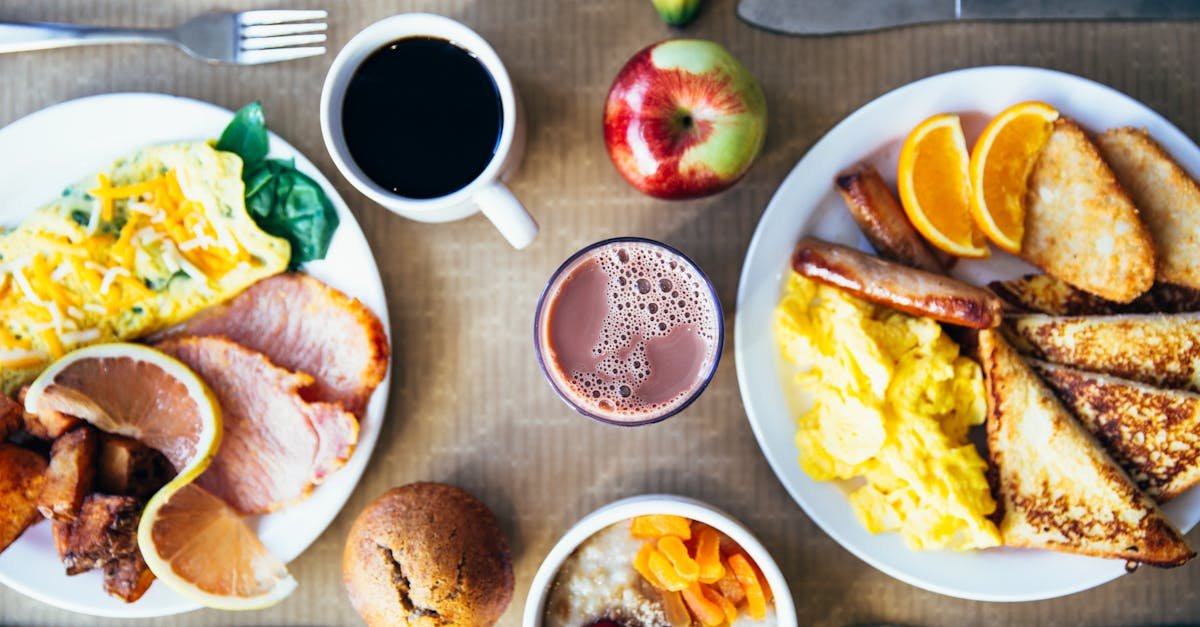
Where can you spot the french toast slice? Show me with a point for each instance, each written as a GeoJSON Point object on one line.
{"type": "Point", "coordinates": [1080, 225]}
{"type": "Point", "coordinates": [1058, 488]}
{"type": "Point", "coordinates": [1158, 349]}
{"type": "Point", "coordinates": [1167, 198]}
{"type": "Point", "coordinates": [1152, 432]}
{"type": "Point", "coordinates": [1043, 293]}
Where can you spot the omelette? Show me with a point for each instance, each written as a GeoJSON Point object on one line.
{"type": "Point", "coordinates": [126, 252]}
{"type": "Point", "coordinates": [885, 399]}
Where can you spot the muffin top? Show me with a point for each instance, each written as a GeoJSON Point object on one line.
{"type": "Point", "coordinates": [427, 554]}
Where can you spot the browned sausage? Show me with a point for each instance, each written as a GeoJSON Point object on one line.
{"type": "Point", "coordinates": [890, 284]}
{"type": "Point", "coordinates": [882, 220]}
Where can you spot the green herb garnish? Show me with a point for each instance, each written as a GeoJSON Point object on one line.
{"type": "Point", "coordinates": [282, 200]}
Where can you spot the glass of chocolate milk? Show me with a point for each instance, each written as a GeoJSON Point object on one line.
{"type": "Point", "coordinates": [629, 331]}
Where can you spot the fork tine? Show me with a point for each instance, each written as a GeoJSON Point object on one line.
{"type": "Point", "coordinates": [275, 30]}
{"type": "Point", "coordinates": [286, 41]}
{"type": "Point", "coordinates": [251, 18]}
{"type": "Point", "coordinates": [255, 57]}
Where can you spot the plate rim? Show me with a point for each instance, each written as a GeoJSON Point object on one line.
{"type": "Point", "coordinates": [746, 282]}
{"type": "Point", "coordinates": [279, 147]}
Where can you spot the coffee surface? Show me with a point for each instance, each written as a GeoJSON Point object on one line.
{"type": "Point", "coordinates": [629, 331]}
{"type": "Point", "coordinates": [422, 117]}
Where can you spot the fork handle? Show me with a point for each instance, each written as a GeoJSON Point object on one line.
{"type": "Point", "coordinates": [23, 36]}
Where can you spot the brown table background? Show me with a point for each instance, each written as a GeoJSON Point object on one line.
{"type": "Point", "coordinates": [468, 404]}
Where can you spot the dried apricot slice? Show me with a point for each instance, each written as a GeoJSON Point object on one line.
{"type": "Point", "coordinates": [706, 611]}
{"type": "Point", "coordinates": [654, 526]}
{"type": "Point", "coordinates": [664, 571]}
{"type": "Point", "coordinates": [675, 609]}
{"type": "Point", "coordinates": [708, 555]}
{"type": "Point", "coordinates": [673, 548]}
{"type": "Point", "coordinates": [726, 606]}
{"type": "Point", "coordinates": [641, 563]}
{"type": "Point", "coordinates": [756, 600]}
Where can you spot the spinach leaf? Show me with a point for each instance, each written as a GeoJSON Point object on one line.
{"type": "Point", "coordinates": [246, 136]}
{"type": "Point", "coordinates": [288, 204]}
{"type": "Point", "coordinates": [281, 200]}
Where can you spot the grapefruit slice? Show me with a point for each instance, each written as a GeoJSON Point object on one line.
{"type": "Point", "coordinates": [191, 540]}
{"type": "Point", "coordinates": [203, 549]}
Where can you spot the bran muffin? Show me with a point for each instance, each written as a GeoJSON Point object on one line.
{"type": "Point", "coordinates": [427, 555]}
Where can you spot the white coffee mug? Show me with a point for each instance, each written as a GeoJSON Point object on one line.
{"type": "Point", "coordinates": [487, 193]}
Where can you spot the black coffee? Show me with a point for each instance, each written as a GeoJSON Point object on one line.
{"type": "Point", "coordinates": [422, 117]}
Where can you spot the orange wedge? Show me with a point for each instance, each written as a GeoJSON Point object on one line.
{"type": "Point", "coordinates": [1000, 165]}
{"type": "Point", "coordinates": [935, 189]}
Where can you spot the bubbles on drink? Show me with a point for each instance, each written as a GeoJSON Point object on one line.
{"type": "Point", "coordinates": [657, 338]}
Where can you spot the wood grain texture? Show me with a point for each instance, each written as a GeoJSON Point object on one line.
{"type": "Point", "coordinates": [468, 403]}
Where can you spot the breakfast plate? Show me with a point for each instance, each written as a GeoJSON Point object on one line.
{"type": "Point", "coordinates": [806, 203]}
{"type": "Point", "coordinates": [41, 153]}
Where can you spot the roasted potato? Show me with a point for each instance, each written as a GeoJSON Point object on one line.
{"type": "Point", "coordinates": [105, 530]}
{"type": "Point", "coordinates": [50, 425]}
{"type": "Point", "coordinates": [22, 473]}
{"type": "Point", "coordinates": [127, 578]}
{"type": "Point", "coordinates": [130, 468]}
{"type": "Point", "coordinates": [62, 537]}
{"type": "Point", "coordinates": [70, 474]}
{"type": "Point", "coordinates": [11, 417]}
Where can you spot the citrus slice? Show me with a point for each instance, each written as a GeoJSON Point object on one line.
{"type": "Point", "coordinates": [201, 548]}
{"type": "Point", "coordinates": [191, 540]}
{"type": "Point", "coordinates": [935, 189]}
{"type": "Point", "coordinates": [1000, 165]}
{"type": "Point", "coordinates": [138, 392]}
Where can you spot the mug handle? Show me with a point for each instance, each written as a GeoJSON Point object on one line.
{"type": "Point", "coordinates": [508, 214]}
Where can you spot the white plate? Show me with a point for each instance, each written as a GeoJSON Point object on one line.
{"type": "Point", "coordinates": [806, 204]}
{"type": "Point", "coordinates": [43, 152]}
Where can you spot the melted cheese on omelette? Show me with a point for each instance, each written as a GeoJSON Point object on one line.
{"type": "Point", "coordinates": [885, 399]}
{"type": "Point", "coordinates": [121, 254]}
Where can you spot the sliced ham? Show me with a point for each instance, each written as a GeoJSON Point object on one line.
{"type": "Point", "coordinates": [276, 445]}
{"type": "Point", "coordinates": [305, 326]}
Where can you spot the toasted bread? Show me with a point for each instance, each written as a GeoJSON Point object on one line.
{"type": "Point", "coordinates": [1043, 293]}
{"type": "Point", "coordinates": [1080, 225]}
{"type": "Point", "coordinates": [1058, 488]}
{"type": "Point", "coordinates": [1154, 433]}
{"type": "Point", "coordinates": [1158, 349]}
{"type": "Point", "coordinates": [1166, 196]}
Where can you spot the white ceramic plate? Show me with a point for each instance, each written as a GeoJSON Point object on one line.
{"type": "Point", "coordinates": [624, 509]}
{"type": "Point", "coordinates": [41, 153]}
{"type": "Point", "coordinates": [806, 204]}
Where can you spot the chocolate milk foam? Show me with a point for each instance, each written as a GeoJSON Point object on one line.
{"type": "Point", "coordinates": [629, 331]}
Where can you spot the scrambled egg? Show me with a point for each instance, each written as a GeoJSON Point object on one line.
{"type": "Point", "coordinates": [884, 398]}
{"type": "Point", "coordinates": [124, 253]}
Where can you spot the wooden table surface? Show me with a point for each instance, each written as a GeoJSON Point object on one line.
{"type": "Point", "coordinates": [468, 404]}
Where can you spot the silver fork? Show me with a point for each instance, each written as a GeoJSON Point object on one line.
{"type": "Point", "coordinates": [246, 38]}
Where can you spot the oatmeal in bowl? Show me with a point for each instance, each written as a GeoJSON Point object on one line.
{"type": "Point", "coordinates": [658, 561]}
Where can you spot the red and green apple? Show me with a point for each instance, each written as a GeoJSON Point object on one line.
{"type": "Point", "coordinates": [684, 119]}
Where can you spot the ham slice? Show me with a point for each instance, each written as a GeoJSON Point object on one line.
{"type": "Point", "coordinates": [276, 445]}
{"type": "Point", "coordinates": [305, 326]}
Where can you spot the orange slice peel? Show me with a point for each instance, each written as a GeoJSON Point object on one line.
{"type": "Point", "coordinates": [935, 189]}
{"type": "Point", "coordinates": [999, 168]}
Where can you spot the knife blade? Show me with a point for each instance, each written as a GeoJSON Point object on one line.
{"type": "Point", "coordinates": [831, 17]}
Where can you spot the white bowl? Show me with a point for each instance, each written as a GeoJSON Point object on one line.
{"type": "Point", "coordinates": [539, 591]}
